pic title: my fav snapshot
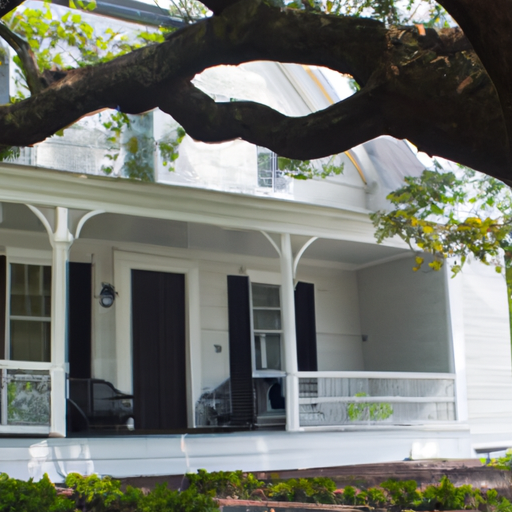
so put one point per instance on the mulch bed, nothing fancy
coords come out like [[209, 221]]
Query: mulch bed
[[425, 472]]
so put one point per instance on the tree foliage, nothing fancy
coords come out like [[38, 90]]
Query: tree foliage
[[451, 215]]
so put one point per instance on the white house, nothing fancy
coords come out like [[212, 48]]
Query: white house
[[255, 322]]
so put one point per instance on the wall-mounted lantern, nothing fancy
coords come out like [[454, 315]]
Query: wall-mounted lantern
[[107, 295]]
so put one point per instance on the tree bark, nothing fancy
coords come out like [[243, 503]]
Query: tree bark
[[6, 6], [488, 26]]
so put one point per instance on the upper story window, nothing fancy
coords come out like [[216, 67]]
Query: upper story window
[[269, 175], [29, 312], [266, 313]]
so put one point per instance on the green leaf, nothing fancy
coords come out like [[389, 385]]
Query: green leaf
[[436, 209]]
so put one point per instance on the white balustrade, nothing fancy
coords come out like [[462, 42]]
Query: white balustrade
[[375, 398], [25, 396]]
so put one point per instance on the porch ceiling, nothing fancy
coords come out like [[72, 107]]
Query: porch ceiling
[[344, 251], [169, 233], [19, 217], [190, 235]]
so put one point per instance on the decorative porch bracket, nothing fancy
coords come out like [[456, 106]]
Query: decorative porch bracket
[[298, 256], [272, 242], [56, 222]]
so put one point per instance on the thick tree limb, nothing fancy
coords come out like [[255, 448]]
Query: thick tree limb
[[217, 6], [488, 26], [130, 82], [35, 81], [430, 89], [319, 134]]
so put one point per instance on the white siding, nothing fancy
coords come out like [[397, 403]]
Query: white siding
[[488, 354], [339, 345], [404, 314], [214, 328]]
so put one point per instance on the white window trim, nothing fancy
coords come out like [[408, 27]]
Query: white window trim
[[124, 262], [265, 373], [29, 256], [23, 257], [264, 277]]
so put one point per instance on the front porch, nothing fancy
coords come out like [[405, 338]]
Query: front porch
[[266, 323]]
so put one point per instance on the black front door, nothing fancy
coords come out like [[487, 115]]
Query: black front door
[[159, 372]]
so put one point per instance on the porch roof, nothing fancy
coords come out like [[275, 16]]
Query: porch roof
[[50, 188]]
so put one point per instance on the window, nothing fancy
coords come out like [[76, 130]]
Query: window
[[269, 175], [266, 314], [29, 313]]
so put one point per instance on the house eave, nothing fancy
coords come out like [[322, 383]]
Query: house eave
[[47, 187]]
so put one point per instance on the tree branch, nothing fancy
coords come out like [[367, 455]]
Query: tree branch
[[487, 25], [35, 81], [6, 6], [431, 90], [319, 134], [247, 31], [217, 6]]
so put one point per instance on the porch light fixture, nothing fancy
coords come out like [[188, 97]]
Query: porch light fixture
[[107, 295]]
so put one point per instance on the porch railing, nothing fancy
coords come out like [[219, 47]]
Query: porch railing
[[375, 398], [25, 396]]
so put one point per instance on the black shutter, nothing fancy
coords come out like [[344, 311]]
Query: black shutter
[[79, 319], [305, 325], [3, 312], [240, 364]]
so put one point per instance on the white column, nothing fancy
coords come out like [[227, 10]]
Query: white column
[[289, 335], [61, 241]]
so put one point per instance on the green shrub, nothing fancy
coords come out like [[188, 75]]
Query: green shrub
[[223, 484], [162, 499], [503, 506], [501, 462], [402, 494], [21, 496], [305, 490], [95, 494], [446, 496], [349, 496], [375, 498]]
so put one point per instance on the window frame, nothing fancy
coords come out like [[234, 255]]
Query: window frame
[[265, 372], [22, 257]]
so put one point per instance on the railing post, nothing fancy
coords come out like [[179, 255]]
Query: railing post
[[289, 335]]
